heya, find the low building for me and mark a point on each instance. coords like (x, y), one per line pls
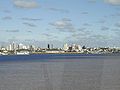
(54, 51)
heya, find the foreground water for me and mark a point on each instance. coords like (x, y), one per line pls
(60, 72)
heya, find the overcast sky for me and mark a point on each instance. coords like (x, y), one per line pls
(84, 22)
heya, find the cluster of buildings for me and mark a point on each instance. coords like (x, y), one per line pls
(72, 48)
(88, 50)
(14, 48)
(21, 49)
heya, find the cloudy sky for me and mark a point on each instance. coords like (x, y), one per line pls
(85, 22)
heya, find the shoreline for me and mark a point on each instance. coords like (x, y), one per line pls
(65, 53)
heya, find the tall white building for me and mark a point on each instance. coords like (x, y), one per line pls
(13, 46)
(79, 47)
(74, 47)
(22, 46)
(9, 47)
(65, 47)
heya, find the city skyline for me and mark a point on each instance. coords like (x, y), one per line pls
(85, 22)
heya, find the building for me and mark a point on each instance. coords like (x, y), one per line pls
(72, 48)
(13, 46)
(9, 48)
(48, 47)
(54, 51)
(21, 46)
(65, 47)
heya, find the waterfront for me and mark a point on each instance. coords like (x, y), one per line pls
(60, 72)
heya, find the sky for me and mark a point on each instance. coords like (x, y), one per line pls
(93, 23)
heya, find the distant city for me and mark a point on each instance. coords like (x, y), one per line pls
(21, 49)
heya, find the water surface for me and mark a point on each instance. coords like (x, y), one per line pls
(60, 72)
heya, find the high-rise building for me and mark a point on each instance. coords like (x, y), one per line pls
(74, 47)
(9, 47)
(13, 46)
(48, 46)
(65, 47)
(79, 47)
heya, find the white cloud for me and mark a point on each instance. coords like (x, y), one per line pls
(31, 19)
(29, 24)
(7, 18)
(25, 3)
(59, 10)
(104, 28)
(13, 31)
(113, 2)
(64, 25)
(99, 36)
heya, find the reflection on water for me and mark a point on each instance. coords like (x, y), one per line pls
(62, 74)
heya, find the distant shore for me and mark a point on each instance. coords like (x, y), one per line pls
(81, 53)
